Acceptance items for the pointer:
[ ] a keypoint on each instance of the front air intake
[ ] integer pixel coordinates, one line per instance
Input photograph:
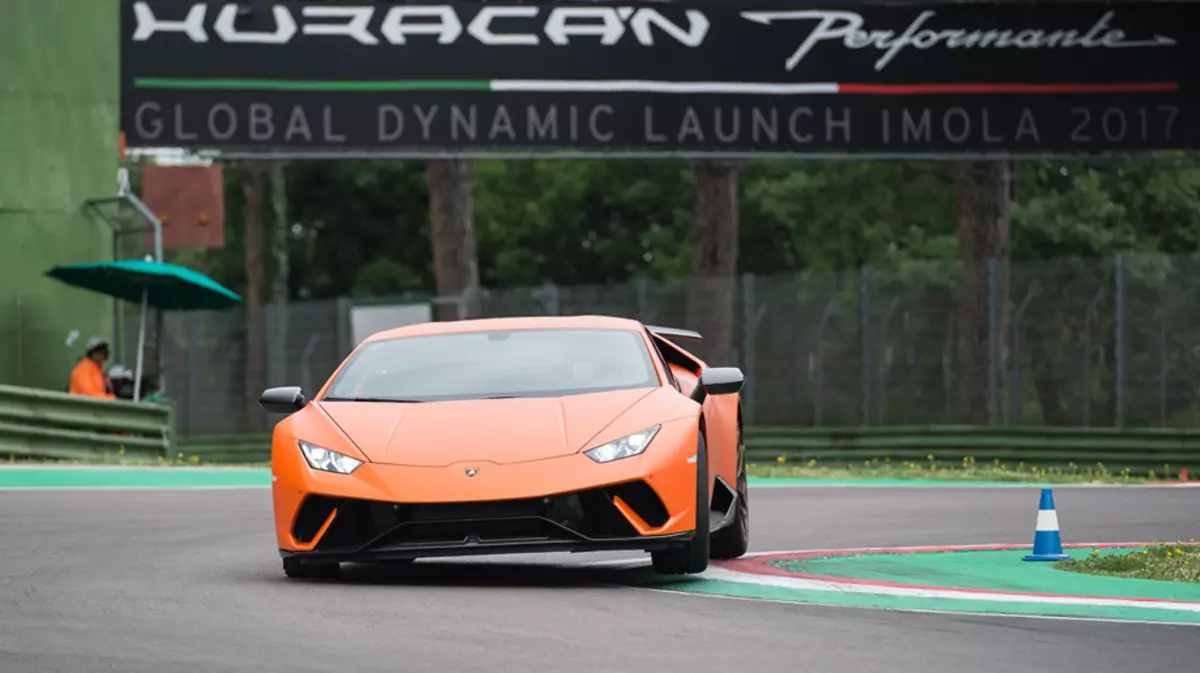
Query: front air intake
(312, 515)
(572, 517)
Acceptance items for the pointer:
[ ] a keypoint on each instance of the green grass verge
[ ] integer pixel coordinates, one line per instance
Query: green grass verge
(179, 460)
(967, 470)
(1178, 562)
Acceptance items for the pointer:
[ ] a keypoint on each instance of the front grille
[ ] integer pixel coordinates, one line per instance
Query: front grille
(582, 516)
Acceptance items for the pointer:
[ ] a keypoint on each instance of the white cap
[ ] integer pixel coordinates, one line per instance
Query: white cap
(96, 342)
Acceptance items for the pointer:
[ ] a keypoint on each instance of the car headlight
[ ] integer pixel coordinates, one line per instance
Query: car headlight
(629, 445)
(328, 461)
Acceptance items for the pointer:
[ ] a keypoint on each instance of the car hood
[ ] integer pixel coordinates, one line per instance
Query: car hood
(437, 434)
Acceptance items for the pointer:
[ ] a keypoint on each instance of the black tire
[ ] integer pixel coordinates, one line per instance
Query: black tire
(691, 556)
(733, 540)
(296, 569)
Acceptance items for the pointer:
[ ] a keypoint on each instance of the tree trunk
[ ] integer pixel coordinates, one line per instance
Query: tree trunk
(252, 190)
(452, 233)
(711, 303)
(279, 282)
(983, 235)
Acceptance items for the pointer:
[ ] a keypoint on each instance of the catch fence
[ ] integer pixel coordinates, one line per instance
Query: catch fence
(1071, 342)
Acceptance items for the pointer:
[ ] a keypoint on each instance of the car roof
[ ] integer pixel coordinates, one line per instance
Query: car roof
(520, 323)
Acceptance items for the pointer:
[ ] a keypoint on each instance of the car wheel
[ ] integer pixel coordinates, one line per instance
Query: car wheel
(297, 569)
(691, 556)
(733, 540)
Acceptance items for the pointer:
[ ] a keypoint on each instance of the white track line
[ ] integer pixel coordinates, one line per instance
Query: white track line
(998, 615)
(983, 546)
(803, 584)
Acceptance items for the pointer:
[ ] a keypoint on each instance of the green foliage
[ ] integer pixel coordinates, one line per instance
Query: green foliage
(581, 222)
(179, 459)
(385, 277)
(360, 228)
(813, 469)
(350, 214)
(609, 221)
(830, 215)
(933, 469)
(1178, 562)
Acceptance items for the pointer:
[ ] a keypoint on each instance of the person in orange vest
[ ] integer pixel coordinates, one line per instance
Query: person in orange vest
(88, 376)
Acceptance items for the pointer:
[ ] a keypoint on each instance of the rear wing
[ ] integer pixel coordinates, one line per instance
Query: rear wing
(672, 352)
(674, 333)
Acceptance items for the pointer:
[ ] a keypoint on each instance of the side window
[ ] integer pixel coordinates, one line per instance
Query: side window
(663, 361)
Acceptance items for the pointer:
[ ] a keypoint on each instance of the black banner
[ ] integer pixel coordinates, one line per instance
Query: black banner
(660, 78)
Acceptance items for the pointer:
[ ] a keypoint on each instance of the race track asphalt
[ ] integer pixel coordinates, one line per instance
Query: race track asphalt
(166, 581)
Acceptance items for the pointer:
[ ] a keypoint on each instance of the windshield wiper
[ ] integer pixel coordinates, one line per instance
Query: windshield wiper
(372, 399)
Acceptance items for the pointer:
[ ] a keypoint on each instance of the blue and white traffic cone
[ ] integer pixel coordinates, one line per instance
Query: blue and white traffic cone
(1047, 545)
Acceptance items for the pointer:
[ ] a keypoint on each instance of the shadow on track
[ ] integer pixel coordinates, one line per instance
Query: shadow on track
(485, 575)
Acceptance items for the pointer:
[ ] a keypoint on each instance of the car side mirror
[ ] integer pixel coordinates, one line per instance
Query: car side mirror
(284, 400)
(718, 381)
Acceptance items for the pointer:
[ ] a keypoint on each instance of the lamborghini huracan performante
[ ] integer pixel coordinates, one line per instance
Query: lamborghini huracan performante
(512, 435)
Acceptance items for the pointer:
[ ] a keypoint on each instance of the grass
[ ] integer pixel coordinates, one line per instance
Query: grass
(967, 470)
(120, 459)
(930, 469)
(1178, 562)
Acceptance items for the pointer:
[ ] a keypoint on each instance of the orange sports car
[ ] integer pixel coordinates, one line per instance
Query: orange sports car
(512, 435)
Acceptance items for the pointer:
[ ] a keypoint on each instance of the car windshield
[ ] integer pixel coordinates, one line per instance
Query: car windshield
(493, 364)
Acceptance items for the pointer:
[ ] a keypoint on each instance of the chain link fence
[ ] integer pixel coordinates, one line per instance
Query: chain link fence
(204, 359)
(1078, 342)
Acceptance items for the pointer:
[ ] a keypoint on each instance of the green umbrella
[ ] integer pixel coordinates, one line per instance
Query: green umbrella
(169, 287)
(158, 284)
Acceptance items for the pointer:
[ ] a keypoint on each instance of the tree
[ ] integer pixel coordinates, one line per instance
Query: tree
(280, 291)
(712, 298)
(592, 222)
(1080, 215)
(983, 252)
(252, 189)
(452, 233)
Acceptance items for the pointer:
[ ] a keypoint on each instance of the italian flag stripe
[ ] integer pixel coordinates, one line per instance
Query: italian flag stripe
(653, 86)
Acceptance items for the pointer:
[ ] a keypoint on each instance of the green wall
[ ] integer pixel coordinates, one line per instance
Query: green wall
(58, 147)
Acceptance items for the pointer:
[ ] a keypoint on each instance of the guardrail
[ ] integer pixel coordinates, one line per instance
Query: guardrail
(39, 423)
(232, 449)
(1138, 450)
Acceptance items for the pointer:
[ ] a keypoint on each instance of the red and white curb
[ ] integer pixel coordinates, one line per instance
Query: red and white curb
(757, 568)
